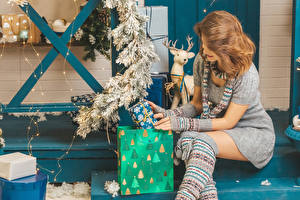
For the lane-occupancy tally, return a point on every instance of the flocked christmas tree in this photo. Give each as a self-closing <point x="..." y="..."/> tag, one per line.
<point x="2" y="141"/>
<point x="136" y="53"/>
<point x="93" y="34"/>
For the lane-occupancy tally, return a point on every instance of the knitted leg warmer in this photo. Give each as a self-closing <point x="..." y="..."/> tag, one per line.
<point x="199" y="169"/>
<point x="209" y="192"/>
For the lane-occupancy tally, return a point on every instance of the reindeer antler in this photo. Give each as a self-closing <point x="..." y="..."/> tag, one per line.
<point x="167" y="44"/>
<point x="191" y="44"/>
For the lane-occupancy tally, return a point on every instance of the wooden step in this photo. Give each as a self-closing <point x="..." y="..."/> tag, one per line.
<point x="285" y="163"/>
<point x="244" y="189"/>
<point x="93" y="153"/>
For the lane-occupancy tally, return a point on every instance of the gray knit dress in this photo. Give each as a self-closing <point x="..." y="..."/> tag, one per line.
<point x="254" y="133"/>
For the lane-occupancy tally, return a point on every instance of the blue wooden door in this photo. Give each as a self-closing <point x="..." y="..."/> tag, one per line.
<point x="184" y="14"/>
<point x="295" y="70"/>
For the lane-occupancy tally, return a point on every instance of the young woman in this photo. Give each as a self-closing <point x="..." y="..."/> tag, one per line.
<point x="233" y="123"/>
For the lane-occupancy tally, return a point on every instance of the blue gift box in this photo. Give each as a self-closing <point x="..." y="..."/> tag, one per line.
<point x="142" y="114"/>
<point x="30" y="187"/>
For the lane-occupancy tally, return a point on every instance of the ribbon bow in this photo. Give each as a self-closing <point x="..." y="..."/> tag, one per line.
<point x="182" y="84"/>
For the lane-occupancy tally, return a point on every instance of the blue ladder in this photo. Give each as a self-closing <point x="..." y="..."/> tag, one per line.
<point x="60" y="47"/>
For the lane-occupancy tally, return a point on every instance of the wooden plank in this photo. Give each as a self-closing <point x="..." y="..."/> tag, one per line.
<point x="295" y="74"/>
<point x="73" y="153"/>
<point x="58" y="107"/>
<point x="76" y="170"/>
<point x="228" y="189"/>
<point x="55" y="134"/>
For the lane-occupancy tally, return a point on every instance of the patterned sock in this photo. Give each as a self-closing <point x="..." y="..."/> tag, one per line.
<point x="209" y="192"/>
<point x="199" y="169"/>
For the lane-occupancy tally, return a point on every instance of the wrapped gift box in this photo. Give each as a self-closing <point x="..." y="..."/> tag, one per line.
<point x="145" y="160"/>
<point x="157" y="29"/>
<point x="142" y="114"/>
<point x="17" y="165"/>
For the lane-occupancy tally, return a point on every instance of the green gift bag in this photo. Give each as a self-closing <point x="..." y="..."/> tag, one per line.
<point x="145" y="160"/>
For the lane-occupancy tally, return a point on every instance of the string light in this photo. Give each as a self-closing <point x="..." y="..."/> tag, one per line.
<point x="31" y="137"/>
<point x="29" y="145"/>
<point x="3" y="47"/>
<point x="210" y="5"/>
<point x="62" y="156"/>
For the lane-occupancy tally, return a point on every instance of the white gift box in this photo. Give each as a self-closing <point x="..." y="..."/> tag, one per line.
<point x="157" y="29"/>
<point x="17" y="165"/>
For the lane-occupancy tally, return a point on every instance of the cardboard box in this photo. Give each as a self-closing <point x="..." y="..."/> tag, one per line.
<point x="157" y="29"/>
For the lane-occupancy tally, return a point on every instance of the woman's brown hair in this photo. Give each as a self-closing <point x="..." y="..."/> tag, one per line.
<point x="225" y="37"/>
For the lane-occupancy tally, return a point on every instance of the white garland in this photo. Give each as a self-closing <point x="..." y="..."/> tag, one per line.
<point x="76" y="191"/>
<point x="92" y="39"/>
<point x="2" y="141"/>
<point x="112" y="187"/>
<point x="78" y="34"/>
<point x="41" y="116"/>
<point x="19" y="2"/>
<point x="137" y="54"/>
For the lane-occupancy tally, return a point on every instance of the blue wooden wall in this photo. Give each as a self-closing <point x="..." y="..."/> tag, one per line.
<point x="184" y="14"/>
<point x="295" y="70"/>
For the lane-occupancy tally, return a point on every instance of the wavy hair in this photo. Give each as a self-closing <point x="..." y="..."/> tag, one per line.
<point x="225" y="37"/>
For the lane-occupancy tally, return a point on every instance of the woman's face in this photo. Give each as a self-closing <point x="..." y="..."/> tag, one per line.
<point x="210" y="55"/>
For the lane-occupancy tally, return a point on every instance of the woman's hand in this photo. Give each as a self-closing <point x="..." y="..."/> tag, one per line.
<point x="158" y="116"/>
<point x="163" y="124"/>
<point x="158" y="111"/>
<point x="152" y="105"/>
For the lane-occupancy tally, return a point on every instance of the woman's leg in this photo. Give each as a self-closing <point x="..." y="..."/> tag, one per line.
<point x="200" y="151"/>
<point x="200" y="157"/>
<point x="226" y="146"/>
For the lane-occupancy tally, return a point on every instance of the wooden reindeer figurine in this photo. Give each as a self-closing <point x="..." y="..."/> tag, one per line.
<point x="184" y="83"/>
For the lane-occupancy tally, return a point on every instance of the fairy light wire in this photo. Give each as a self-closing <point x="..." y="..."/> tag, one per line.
<point x="32" y="121"/>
